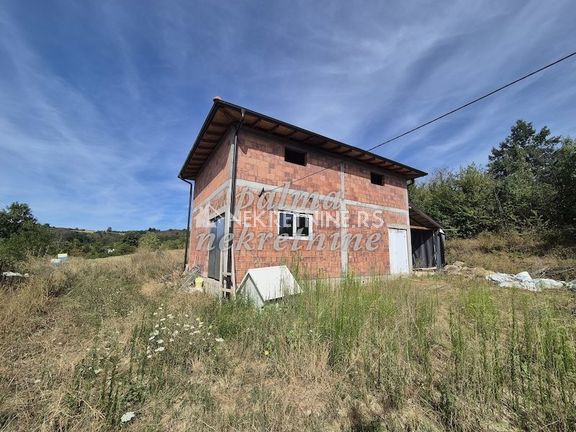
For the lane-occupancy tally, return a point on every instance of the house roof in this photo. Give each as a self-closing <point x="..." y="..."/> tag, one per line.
<point x="224" y="114"/>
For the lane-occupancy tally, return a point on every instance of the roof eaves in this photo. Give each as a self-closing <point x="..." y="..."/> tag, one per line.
<point x="218" y="103"/>
<point x="322" y="137"/>
<point x="205" y="125"/>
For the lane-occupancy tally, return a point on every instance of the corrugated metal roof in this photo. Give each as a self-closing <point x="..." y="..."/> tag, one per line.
<point x="224" y="114"/>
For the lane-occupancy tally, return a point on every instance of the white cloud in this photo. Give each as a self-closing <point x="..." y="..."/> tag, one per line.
<point x="101" y="102"/>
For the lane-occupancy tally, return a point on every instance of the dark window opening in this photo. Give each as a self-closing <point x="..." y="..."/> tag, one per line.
<point x="302" y="226"/>
<point x="294" y="156"/>
<point x="286" y="224"/>
<point x="377" y="179"/>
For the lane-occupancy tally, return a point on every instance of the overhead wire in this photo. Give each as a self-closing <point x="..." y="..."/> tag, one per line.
<point x="446" y="114"/>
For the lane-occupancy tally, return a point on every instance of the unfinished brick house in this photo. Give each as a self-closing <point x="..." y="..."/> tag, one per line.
<point x="292" y="187"/>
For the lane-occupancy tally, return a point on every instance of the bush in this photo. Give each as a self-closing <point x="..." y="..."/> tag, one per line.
<point x="149" y="241"/>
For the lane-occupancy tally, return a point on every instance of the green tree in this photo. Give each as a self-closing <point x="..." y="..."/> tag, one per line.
<point x="131" y="238"/>
<point x="149" y="241"/>
<point x="21" y="236"/>
<point x="565" y="183"/>
<point x="524" y="149"/>
<point x="462" y="201"/>
<point x="13" y="218"/>
<point x="523" y="167"/>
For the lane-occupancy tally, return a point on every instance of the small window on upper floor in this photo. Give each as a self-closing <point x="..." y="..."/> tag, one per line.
<point x="294" y="156"/>
<point x="377" y="179"/>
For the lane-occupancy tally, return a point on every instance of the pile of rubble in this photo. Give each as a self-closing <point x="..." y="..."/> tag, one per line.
<point x="522" y="280"/>
<point x="9" y="277"/>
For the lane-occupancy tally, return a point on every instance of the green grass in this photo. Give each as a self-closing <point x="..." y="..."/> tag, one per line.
<point x="424" y="354"/>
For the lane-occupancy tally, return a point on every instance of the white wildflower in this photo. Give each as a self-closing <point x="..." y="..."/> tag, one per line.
<point x="159" y="349"/>
<point x="170" y="340"/>
<point x="186" y="315"/>
<point x="162" y="319"/>
<point x="219" y="340"/>
<point x="175" y="333"/>
<point x="160" y="341"/>
<point x="149" y="356"/>
<point x="151" y="337"/>
<point x="97" y="371"/>
<point x="170" y="316"/>
<point x="127" y="416"/>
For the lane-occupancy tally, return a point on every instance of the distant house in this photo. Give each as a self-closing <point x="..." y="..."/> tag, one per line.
<point x="299" y="199"/>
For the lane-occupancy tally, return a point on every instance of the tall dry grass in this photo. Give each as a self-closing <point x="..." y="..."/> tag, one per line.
<point x="111" y="337"/>
<point x="542" y="254"/>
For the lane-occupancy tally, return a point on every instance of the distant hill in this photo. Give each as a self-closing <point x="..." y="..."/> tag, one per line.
<point x="97" y="244"/>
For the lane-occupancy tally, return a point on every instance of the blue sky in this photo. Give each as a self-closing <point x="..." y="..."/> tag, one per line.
<point x="101" y="100"/>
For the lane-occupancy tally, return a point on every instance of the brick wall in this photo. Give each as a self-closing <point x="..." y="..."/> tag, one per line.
<point x="304" y="255"/>
<point x="211" y="189"/>
<point x="261" y="164"/>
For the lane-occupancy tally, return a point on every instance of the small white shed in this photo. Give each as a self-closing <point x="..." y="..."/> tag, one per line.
<point x="268" y="283"/>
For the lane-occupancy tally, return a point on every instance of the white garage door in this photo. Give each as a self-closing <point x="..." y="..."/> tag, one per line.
<point x="398" y="251"/>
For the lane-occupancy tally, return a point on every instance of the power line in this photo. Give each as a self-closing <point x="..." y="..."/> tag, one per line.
<point x="446" y="114"/>
<point x="478" y="99"/>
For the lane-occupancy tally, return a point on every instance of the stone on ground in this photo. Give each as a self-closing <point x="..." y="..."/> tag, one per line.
<point x="548" y="283"/>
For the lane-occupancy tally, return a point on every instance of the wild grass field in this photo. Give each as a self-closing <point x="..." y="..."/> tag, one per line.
<point x="86" y="344"/>
<point x="542" y="254"/>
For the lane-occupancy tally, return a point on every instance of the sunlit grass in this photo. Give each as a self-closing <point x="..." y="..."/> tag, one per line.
<point x="428" y="354"/>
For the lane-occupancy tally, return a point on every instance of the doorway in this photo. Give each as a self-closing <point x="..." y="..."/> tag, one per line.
<point x="398" y="246"/>
<point x="215" y="252"/>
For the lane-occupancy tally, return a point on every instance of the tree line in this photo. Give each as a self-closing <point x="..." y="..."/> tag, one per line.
<point x="528" y="183"/>
<point x="21" y="236"/>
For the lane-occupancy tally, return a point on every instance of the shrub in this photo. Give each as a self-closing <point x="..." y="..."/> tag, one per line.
<point x="149" y="241"/>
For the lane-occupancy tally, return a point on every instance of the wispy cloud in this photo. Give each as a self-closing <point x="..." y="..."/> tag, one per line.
<point x="102" y="100"/>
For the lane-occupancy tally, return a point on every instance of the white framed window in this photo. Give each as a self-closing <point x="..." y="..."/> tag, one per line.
<point x="295" y="225"/>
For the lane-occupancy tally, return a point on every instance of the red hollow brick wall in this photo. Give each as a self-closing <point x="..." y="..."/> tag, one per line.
<point x="214" y="175"/>
<point x="261" y="165"/>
